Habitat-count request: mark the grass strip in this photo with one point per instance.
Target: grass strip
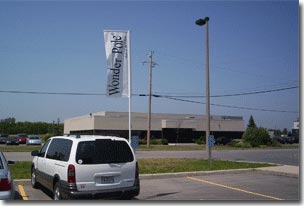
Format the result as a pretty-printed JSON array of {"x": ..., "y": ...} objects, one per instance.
[
  {"x": 22, "y": 170},
  {"x": 172, "y": 165},
  {"x": 203, "y": 147},
  {"x": 11, "y": 148}
]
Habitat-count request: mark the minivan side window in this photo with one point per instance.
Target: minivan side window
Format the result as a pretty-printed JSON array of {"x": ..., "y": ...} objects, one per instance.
[
  {"x": 1, "y": 164},
  {"x": 59, "y": 149},
  {"x": 43, "y": 149}
]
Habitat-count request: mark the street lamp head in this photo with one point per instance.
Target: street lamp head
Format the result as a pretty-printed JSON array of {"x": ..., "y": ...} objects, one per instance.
[{"x": 201, "y": 22}]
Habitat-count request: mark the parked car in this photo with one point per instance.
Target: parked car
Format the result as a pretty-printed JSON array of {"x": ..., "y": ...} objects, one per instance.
[
  {"x": 82, "y": 167},
  {"x": 33, "y": 140},
  {"x": 222, "y": 140},
  {"x": 7, "y": 186},
  {"x": 3, "y": 138},
  {"x": 285, "y": 139},
  {"x": 22, "y": 138},
  {"x": 12, "y": 140}
]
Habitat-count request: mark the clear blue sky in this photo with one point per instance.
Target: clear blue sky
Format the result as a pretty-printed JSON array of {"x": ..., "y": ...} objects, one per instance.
[{"x": 59, "y": 47}]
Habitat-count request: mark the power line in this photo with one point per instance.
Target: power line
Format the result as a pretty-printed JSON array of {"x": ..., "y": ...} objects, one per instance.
[
  {"x": 164, "y": 96},
  {"x": 233, "y": 95},
  {"x": 229, "y": 106},
  {"x": 51, "y": 93},
  {"x": 156, "y": 95},
  {"x": 197, "y": 65}
]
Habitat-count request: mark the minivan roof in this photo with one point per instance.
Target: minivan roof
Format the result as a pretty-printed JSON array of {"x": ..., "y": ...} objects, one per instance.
[{"x": 89, "y": 137}]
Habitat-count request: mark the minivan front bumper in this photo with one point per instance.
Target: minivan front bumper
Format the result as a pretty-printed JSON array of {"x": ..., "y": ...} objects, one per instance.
[{"x": 69, "y": 191}]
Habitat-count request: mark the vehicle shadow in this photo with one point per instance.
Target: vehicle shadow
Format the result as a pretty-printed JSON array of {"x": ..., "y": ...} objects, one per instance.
[
  {"x": 161, "y": 195},
  {"x": 46, "y": 191},
  {"x": 17, "y": 196}
]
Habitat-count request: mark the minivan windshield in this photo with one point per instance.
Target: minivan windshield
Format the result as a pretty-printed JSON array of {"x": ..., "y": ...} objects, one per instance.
[{"x": 103, "y": 151}]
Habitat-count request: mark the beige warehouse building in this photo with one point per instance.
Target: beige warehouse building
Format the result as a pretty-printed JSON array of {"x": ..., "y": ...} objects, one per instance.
[{"x": 176, "y": 128}]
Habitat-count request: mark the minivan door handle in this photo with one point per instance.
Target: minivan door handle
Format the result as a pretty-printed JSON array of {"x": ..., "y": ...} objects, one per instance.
[
  {"x": 59, "y": 165},
  {"x": 115, "y": 165}
]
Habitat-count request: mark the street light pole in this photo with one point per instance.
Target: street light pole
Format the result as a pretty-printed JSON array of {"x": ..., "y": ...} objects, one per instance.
[
  {"x": 201, "y": 22},
  {"x": 150, "y": 98}
]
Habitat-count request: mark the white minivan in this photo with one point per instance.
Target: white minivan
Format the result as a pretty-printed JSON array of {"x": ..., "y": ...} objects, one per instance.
[{"x": 86, "y": 167}]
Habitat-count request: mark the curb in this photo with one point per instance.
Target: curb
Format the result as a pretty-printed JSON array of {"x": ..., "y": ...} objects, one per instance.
[
  {"x": 278, "y": 173},
  {"x": 185, "y": 174}
]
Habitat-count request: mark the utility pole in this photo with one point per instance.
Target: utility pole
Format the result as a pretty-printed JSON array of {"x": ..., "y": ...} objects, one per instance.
[{"x": 152, "y": 64}]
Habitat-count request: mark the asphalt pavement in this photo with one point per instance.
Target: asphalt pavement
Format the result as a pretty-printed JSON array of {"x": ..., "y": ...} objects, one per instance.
[{"x": 272, "y": 183}]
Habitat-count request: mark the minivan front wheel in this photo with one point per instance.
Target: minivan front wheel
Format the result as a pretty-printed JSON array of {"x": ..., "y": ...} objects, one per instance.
[
  {"x": 33, "y": 179},
  {"x": 57, "y": 192}
]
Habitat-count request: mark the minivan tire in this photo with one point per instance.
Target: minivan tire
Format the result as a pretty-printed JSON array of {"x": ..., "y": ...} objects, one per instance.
[
  {"x": 57, "y": 192},
  {"x": 34, "y": 183}
]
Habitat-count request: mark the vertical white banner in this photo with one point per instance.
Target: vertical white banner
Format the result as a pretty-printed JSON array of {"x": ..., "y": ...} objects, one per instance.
[{"x": 117, "y": 54}]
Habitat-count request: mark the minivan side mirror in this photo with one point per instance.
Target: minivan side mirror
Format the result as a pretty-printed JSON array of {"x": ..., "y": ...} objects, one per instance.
[
  {"x": 10, "y": 162},
  {"x": 35, "y": 153}
]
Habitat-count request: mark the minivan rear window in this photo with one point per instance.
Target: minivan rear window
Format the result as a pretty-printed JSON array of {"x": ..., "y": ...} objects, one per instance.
[{"x": 103, "y": 151}]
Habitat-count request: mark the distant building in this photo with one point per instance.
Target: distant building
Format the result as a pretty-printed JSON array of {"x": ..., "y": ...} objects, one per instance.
[
  {"x": 271, "y": 133},
  {"x": 176, "y": 128},
  {"x": 296, "y": 129}
]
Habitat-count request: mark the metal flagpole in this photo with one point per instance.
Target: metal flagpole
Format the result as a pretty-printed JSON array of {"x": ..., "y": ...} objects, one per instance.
[{"x": 129, "y": 84}]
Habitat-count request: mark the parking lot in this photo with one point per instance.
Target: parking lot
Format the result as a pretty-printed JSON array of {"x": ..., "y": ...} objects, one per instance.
[
  {"x": 245, "y": 185},
  {"x": 250, "y": 185}
]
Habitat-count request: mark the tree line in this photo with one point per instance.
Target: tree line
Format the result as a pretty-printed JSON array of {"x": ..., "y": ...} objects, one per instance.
[{"x": 11, "y": 127}]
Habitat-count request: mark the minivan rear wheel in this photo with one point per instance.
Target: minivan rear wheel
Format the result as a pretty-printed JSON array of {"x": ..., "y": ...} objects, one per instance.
[
  {"x": 33, "y": 179},
  {"x": 57, "y": 192}
]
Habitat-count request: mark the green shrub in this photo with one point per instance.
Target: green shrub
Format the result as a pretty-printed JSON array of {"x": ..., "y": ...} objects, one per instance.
[
  {"x": 238, "y": 144},
  {"x": 159, "y": 142},
  {"x": 246, "y": 145},
  {"x": 142, "y": 142},
  {"x": 201, "y": 140},
  {"x": 235, "y": 143},
  {"x": 243, "y": 144},
  {"x": 256, "y": 136},
  {"x": 274, "y": 143},
  {"x": 153, "y": 142},
  {"x": 164, "y": 141}
]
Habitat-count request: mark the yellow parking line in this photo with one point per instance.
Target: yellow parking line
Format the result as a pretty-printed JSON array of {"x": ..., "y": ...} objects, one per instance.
[
  {"x": 233, "y": 188},
  {"x": 22, "y": 192}
]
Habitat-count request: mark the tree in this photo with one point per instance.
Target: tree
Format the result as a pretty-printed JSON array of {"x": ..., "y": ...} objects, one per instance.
[
  {"x": 11, "y": 127},
  {"x": 251, "y": 123},
  {"x": 7, "y": 126},
  {"x": 256, "y": 136},
  {"x": 285, "y": 131},
  {"x": 277, "y": 132}
]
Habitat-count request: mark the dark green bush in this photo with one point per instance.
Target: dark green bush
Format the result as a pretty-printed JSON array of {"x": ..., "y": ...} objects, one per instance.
[
  {"x": 235, "y": 142},
  {"x": 274, "y": 143},
  {"x": 256, "y": 136},
  {"x": 142, "y": 142},
  {"x": 201, "y": 140},
  {"x": 242, "y": 144},
  {"x": 164, "y": 141},
  {"x": 159, "y": 142},
  {"x": 154, "y": 142}
]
